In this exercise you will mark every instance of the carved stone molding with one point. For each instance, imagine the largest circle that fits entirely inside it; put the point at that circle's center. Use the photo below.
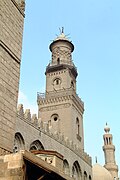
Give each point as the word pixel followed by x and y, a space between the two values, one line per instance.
pixel 55 107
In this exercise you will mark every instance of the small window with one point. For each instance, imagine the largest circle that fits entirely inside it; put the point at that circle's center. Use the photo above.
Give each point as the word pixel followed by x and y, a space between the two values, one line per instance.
pixel 78 126
pixel 78 129
pixel 55 117
pixel 90 178
pixel 72 84
pixel 57 81
pixel 58 60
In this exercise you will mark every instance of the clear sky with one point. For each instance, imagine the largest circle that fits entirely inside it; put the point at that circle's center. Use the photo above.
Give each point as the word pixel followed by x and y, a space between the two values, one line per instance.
pixel 94 28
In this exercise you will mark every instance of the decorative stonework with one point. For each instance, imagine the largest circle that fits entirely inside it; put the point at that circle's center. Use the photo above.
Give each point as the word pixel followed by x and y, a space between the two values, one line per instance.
pixel 55 107
pixel 64 55
pixel 61 96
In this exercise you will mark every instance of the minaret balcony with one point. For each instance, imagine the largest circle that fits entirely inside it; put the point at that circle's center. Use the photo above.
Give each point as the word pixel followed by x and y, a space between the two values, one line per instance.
pixel 63 94
pixel 57 67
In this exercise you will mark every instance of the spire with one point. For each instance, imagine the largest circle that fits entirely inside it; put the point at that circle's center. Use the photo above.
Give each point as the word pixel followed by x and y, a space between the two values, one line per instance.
pixel 62 48
pixel 107 129
pixel 62 35
pixel 109 152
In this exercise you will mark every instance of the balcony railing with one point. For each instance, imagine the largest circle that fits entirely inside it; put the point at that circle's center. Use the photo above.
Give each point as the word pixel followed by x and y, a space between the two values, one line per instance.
pixel 59 93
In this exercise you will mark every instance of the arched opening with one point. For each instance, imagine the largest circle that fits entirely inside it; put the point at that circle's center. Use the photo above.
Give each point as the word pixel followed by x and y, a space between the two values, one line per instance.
pixel 72 84
pixel 78 126
pixel 90 177
pixel 107 140
pixel 19 143
pixel 55 123
pixel 58 60
pixel 85 175
pixel 36 145
pixel 66 168
pixel 76 171
pixel 78 129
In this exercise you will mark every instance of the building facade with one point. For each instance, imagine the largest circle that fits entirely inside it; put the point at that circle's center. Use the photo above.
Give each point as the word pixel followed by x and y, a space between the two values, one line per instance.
pixel 56 134
pixel 59 125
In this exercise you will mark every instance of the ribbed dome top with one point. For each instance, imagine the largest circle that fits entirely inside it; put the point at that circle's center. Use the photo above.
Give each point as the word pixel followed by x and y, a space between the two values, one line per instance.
pixel 100 173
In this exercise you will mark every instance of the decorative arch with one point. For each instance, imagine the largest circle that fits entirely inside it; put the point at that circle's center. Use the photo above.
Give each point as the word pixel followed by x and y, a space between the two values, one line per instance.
pixel 19 143
pixel 66 167
pixel 76 171
pixel 57 81
pixel 36 145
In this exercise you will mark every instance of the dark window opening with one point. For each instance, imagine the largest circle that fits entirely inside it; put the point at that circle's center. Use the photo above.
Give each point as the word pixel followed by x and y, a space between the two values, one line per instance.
pixel 55 118
pixel 58 60
pixel 57 81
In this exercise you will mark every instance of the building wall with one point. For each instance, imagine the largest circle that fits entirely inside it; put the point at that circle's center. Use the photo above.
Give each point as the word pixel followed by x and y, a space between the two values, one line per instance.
pixel 11 32
pixel 32 130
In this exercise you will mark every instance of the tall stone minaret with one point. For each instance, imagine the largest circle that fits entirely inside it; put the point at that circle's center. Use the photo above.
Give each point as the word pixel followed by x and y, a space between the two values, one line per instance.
pixel 109 152
pixel 61 107
pixel 11 34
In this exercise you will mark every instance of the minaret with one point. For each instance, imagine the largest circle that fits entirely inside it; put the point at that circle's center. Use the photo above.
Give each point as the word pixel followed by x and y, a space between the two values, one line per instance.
pixel 61 107
pixel 109 152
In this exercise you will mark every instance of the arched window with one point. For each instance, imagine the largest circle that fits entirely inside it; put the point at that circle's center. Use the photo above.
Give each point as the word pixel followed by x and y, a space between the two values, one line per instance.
pixel 58 60
pixel 90 177
pixel 36 145
pixel 54 117
pixel 78 126
pixel 55 123
pixel 72 84
pixel 57 81
pixel 19 143
pixel 78 129
pixel 66 168
pixel 76 171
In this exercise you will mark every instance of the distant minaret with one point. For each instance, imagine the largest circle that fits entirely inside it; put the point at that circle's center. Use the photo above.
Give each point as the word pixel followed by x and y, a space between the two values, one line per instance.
pixel 109 152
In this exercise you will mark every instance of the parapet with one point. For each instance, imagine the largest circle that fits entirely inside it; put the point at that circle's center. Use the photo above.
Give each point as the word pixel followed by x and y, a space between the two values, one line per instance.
pixel 44 128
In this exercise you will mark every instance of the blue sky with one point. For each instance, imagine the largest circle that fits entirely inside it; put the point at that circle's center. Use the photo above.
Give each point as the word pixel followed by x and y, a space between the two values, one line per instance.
pixel 94 28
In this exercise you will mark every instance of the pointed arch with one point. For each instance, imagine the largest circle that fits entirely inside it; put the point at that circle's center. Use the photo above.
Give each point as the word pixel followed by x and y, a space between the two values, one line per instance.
pixel 66 167
pixel 19 143
pixel 36 145
pixel 76 171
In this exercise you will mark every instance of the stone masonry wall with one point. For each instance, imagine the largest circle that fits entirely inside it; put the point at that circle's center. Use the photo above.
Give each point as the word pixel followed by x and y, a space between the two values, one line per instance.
pixel 11 30
pixel 12 167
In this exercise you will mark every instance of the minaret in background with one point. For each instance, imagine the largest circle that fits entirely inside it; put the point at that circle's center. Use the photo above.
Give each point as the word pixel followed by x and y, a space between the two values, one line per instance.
pixel 109 152
pixel 11 34
pixel 60 107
